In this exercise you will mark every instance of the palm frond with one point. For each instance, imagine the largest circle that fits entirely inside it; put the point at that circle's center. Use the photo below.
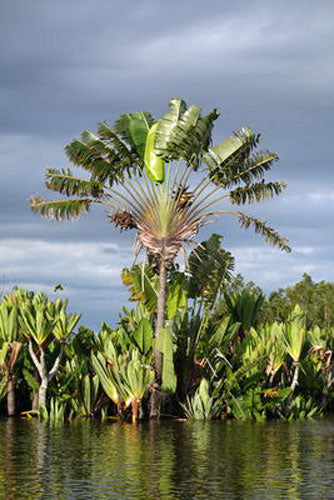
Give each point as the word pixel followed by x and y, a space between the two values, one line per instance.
pixel 63 181
pixel 182 133
pixel 101 168
pixel 231 153
pixel 209 267
pixel 112 139
pixel 105 155
pixel 256 192
pixel 270 235
pixel 252 169
pixel 123 128
pixel 61 209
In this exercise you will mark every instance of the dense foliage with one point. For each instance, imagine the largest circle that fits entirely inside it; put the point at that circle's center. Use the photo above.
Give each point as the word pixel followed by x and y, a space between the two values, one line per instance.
pixel 228 353
pixel 163 180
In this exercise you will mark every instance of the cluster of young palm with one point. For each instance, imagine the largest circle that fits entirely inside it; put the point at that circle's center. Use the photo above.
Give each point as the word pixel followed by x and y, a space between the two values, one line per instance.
pixel 34 323
pixel 164 180
pixel 276 370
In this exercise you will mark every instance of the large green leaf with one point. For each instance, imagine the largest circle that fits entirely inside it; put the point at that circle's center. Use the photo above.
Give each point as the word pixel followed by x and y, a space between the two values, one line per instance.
pixel 244 307
pixel 107 378
pixel 139 126
pixel 177 295
pixel 143 336
pixel 164 344
pixel 122 127
pixel 9 325
pixel 182 133
pixel 210 266
pixel 154 164
pixel 143 285
pixel 228 157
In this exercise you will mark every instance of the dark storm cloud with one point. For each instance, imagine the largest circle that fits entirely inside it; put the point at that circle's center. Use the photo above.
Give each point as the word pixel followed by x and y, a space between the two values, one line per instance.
pixel 67 65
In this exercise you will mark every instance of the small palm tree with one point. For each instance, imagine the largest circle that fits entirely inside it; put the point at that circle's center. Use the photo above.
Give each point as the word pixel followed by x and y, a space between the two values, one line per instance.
pixel 11 343
pixel 43 321
pixel 146 174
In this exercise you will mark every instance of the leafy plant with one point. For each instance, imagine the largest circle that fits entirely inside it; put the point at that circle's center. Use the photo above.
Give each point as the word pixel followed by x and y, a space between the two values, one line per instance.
pixel 201 405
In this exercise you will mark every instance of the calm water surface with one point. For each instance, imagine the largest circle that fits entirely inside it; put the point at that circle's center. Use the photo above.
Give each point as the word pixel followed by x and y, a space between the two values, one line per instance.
pixel 167 460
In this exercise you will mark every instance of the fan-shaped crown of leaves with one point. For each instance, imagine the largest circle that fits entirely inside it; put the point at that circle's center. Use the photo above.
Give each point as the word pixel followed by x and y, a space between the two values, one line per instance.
pixel 113 159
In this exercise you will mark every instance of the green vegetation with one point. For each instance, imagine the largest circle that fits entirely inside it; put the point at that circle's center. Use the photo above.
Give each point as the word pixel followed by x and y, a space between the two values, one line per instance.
pixel 152 164
pixel 217 365
pixel 200 343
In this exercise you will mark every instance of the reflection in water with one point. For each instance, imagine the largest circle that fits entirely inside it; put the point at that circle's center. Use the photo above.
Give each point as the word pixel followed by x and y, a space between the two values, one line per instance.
pixel 167 460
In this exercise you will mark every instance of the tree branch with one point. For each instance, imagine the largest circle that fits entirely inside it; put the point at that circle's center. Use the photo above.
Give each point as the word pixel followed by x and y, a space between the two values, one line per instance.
pixel 34 358
pixel 54 369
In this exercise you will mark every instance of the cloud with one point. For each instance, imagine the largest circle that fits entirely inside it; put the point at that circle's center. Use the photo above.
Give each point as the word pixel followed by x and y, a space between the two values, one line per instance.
pixel 65 67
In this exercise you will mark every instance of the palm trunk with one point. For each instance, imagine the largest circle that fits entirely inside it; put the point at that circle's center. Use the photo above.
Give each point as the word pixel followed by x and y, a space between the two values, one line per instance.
pixel 160 324
pixel 11 396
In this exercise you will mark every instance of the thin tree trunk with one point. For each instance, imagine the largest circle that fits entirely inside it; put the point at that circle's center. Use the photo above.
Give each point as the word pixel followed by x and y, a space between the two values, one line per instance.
pixel 295 376
pixel 44 380
pixel 160 324
pixel 41 367
pixel 42 393
pixel 11 396
pixel 34 404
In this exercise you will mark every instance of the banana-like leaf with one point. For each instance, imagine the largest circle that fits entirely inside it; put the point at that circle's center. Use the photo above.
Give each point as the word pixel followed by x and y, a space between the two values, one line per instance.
pixel 164 344
pixel 139 127
pixel 295 334
pixel 154 164
pixel 183 134
pixel 127 132
pixel 177 295
pixel 107 379
pixel 61 209
pixel 256 192
pixel 143 336
pixel 143 285
pixel 229 155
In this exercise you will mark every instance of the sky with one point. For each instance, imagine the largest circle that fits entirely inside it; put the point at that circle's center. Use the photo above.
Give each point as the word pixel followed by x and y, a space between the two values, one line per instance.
pixel 66 65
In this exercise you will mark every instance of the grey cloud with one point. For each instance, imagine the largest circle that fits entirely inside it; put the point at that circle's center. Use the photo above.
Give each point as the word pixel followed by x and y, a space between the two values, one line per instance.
pixel 65 66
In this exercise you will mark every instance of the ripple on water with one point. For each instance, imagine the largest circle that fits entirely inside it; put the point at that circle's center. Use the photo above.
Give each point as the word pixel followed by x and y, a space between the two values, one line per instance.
pixel 167 460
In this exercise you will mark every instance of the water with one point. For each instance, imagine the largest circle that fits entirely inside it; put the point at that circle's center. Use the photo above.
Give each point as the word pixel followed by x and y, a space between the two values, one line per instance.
pixel 167 460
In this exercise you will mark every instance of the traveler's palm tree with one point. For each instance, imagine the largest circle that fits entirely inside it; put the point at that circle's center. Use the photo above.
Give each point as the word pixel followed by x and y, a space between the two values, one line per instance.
pixel 147 175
